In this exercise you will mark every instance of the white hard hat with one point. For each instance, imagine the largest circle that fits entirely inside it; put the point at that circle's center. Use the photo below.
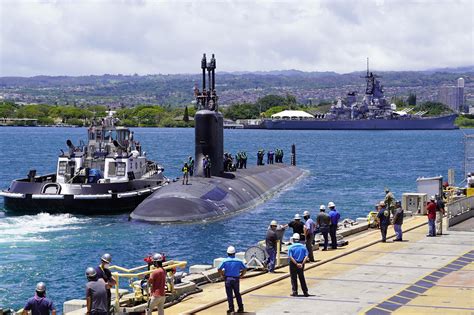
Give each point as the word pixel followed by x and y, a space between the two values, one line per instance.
pixel 322 207
pixel 382 203
pixel 296 237
pixel 297 217
pixel 305 213
pixel 331 204
pixel 231 250
pixel 157 257
pixel 433 198
pixel 273 223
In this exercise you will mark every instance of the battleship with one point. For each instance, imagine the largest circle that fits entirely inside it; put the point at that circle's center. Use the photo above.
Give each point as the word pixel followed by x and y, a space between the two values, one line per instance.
pixel 224 193
pixel 373 113
pixel 109 174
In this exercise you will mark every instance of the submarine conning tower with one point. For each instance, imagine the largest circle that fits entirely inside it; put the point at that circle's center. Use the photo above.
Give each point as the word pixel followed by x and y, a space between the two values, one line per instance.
pixel 209 123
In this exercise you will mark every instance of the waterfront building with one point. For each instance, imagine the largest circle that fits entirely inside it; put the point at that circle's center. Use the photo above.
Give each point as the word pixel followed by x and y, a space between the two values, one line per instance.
pixel 453 96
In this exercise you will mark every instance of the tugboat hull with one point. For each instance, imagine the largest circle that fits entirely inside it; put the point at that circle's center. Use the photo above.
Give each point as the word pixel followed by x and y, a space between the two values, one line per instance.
pixel 43 195
pixel 68 204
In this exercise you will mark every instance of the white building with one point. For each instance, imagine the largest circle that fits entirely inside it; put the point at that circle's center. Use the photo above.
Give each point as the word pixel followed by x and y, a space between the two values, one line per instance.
pixel 453 96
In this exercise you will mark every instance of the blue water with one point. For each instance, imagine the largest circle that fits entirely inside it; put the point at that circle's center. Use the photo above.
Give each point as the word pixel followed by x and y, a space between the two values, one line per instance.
pixel 350 168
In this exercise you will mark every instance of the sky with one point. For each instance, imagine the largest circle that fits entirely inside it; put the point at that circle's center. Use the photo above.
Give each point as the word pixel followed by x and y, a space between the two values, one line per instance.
pixel 84 37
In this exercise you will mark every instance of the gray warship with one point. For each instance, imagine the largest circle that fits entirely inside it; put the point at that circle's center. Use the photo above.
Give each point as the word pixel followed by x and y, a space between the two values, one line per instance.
pixel 224 193
pixel 109 174
pixel 374 112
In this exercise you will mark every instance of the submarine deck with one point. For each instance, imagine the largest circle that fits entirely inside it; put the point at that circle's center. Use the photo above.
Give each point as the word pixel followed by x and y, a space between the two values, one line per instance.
pixel 419 275
pixel 216 197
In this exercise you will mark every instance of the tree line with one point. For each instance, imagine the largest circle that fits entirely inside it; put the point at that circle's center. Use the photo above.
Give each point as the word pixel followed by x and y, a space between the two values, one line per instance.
pixel 166 116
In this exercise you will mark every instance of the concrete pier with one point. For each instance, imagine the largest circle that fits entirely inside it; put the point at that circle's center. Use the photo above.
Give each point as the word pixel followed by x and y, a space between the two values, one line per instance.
pixel 420 275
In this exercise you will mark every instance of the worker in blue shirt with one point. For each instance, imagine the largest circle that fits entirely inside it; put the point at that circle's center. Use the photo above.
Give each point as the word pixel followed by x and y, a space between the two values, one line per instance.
pixel 232 269
pixel 334 216
pixel 298 255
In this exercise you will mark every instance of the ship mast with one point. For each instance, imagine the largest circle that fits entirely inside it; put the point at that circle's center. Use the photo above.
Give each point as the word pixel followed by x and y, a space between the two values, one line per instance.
pixel 370 78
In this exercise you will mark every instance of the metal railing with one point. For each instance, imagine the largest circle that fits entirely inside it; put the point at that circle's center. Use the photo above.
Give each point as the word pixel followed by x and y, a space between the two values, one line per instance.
pixel 168 266
pixel 457 208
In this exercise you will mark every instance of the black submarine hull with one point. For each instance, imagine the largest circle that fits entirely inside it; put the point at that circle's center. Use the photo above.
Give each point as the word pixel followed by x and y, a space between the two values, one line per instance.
pixel 216 197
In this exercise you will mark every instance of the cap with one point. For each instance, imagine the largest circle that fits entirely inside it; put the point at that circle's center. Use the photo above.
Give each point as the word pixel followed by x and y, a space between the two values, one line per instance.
pixel 322 207
pixel 305 213
pixel 40 287
pixel 296 237
pixel 157 257
pixel 297 217
pixel 273 223
pixel 106 258
pixel 231 250
pixel 382 203
pixel 331 204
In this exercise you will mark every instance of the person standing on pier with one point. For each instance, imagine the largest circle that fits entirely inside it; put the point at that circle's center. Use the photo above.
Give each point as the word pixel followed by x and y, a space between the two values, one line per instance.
pixel 297 226
pixel 298 255
pixel 232 269
pixel 439 214
pixel 39 304
pixel 431 208
pixel 397 222
pixel 334 216
pixel 384 219
pixel 323 221
pixel 103 272
pixel 309 228
pixel 97 298
pixel 271 246
pixel 157 282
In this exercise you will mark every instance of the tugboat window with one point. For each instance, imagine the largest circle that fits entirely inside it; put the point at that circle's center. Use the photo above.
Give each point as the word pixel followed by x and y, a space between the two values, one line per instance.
pixel 62 167
pixel 112 169
pixel 117 168
pixel 120 168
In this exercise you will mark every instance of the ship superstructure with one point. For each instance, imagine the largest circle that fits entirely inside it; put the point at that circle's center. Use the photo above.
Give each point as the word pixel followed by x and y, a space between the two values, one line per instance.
pixel 373 112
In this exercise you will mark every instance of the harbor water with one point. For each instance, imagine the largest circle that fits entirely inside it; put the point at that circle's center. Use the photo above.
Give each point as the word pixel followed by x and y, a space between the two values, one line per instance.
pixel 351 168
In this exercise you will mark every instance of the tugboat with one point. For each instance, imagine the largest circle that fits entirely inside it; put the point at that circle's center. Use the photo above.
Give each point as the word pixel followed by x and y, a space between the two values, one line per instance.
pixel 110 174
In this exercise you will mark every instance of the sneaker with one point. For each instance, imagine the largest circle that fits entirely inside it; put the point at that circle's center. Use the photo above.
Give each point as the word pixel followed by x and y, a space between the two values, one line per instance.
pixel 230 311
pixel 294 294
pixel 240 310
pixel 306 294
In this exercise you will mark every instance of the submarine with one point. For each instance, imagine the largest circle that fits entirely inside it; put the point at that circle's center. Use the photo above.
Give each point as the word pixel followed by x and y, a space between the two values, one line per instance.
pixel 223 193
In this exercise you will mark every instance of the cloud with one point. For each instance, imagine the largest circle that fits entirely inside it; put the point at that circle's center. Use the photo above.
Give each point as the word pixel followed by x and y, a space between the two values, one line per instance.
pixel 96 37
